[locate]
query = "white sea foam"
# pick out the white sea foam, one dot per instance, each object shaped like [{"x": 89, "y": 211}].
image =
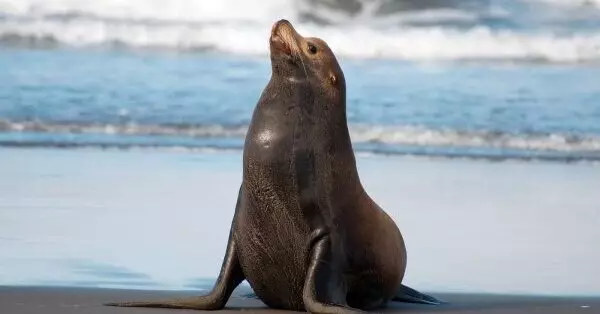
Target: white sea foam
[
  {"x": 156, "y": 10},
  {"x": 197, "y": 25},
  {"x": 573, "y": 3},
  {"x": 365, "y": 134},
  {"x": 428, "y": 137}
]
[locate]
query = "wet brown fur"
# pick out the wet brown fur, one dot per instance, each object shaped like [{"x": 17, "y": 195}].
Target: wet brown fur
[{"x": 305, "y": 234}]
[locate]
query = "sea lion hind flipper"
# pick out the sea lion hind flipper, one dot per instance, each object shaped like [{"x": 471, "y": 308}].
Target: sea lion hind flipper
[
  {"x": 410, "y": 295},
  {"x": 316, "y": 294}
]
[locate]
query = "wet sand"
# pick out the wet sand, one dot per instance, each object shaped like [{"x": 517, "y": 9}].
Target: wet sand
[
  {"x": 88, "y": 218},
  {"x": 51, "y": 300},
  {"x": 72, "y": 218}
]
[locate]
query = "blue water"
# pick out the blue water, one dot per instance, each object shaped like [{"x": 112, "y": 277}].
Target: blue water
[
  {"x": 107, "y": 98},
  {"x": 514, "y": 79}
]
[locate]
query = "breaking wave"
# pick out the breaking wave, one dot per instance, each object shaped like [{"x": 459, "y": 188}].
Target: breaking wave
[
  {"x": 371, "y": 139},
  {"x": 410, "y": 30}
]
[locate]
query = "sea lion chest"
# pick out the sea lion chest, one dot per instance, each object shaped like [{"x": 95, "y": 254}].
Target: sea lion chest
[{"x": 278, "y": 211}]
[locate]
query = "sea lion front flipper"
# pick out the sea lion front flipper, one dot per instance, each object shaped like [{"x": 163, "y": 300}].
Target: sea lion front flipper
[
  {"x": 316, "y": 291},
  {"x": 410, "y": 295},
  {"x": 230, "y": 277}
]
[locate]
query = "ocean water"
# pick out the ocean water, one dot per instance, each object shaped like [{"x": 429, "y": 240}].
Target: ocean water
[
  {"x": 476, "y": 79},
  {"x": 126, "y": 113}
]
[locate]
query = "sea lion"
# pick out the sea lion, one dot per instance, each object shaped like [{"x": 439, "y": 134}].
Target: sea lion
[{"x": 305, "y": 234}]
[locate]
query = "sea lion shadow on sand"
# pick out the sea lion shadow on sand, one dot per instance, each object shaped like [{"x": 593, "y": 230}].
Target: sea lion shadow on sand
[{"x": 305, "y": 234}]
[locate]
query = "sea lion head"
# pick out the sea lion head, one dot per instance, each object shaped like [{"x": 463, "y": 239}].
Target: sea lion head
[{"x": 305, "y": 59}]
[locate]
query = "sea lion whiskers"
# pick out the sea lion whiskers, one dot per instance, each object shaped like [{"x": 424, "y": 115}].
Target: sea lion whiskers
[
  {"x": 298, "y": 51},
  {"x": 303, "y": 66},
  {"x": 289, "y": 36}
]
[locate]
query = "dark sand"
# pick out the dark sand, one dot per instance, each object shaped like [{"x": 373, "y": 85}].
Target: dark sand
[{"x": 26, "y": 300}]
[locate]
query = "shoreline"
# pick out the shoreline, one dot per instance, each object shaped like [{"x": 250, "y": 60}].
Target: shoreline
[
  {"x": 359, "y": 153},
  {"x": 49, "y": 300}
]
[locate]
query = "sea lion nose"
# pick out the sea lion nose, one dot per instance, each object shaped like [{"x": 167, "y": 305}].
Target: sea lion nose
[
  {"x": 278, "y": 24},
  {"x": 283, "y": 21}
]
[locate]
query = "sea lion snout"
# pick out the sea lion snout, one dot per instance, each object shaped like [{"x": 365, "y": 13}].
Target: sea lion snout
[
  {"x": 284, "y": 37},
  {"x": 279, "y": 24}
]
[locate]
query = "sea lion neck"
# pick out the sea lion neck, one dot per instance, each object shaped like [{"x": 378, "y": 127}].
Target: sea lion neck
[
  {"x": 307, "y": 94},
  {"x": 289, "y": 68}
]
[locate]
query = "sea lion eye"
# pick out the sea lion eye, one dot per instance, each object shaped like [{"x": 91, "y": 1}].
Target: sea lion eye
[{"x": 312, "y": 48}]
